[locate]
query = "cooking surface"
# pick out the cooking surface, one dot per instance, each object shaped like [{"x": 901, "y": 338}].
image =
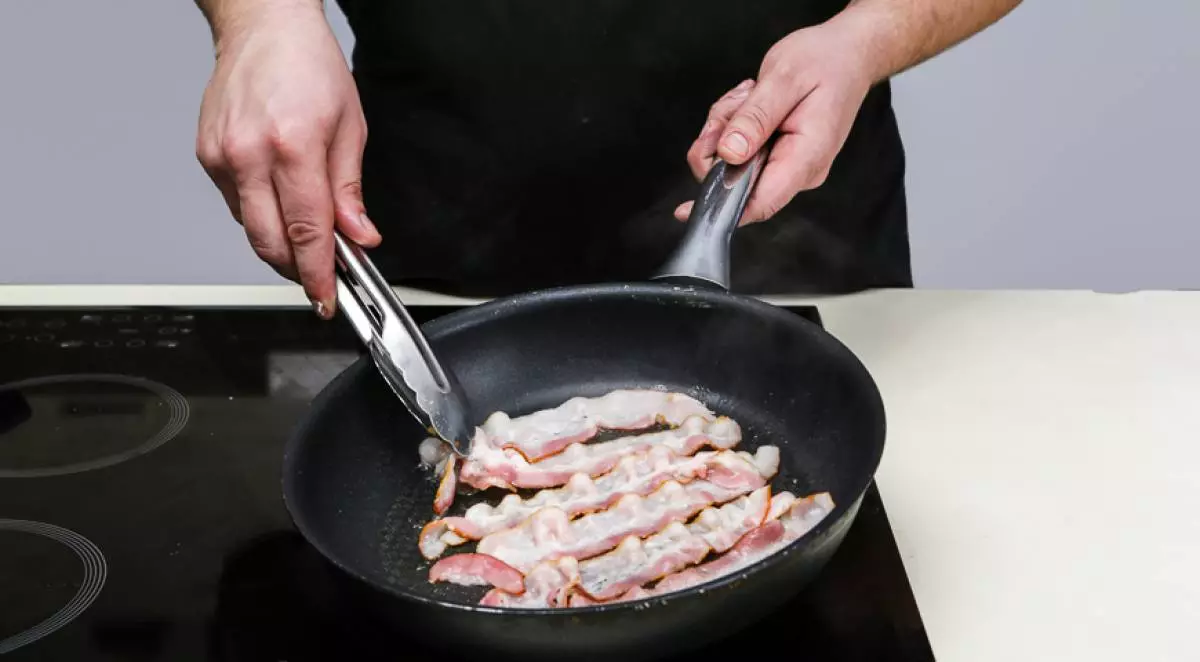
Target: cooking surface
[{"x": 141, "y": 517}]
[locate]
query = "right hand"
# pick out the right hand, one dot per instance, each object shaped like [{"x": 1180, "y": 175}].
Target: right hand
[{"x": 281, "y": 135}]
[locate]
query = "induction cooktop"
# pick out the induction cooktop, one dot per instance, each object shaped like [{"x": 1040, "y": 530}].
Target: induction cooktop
[{"x": 141, "y": 516}]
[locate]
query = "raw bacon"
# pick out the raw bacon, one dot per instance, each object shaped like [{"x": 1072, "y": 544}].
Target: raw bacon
[
  {"x": 549, "y": 431},
  {"x": 446, "y": 487},
  {"x": 640, "y": 474},
  {"x": 550, "y": 532},
  {"x": 636, "y": 562},
  {"x": 488, "y": 465},
  {"x": 547, "y": 585},
  {"x": 478, "y": 570},
  {"x": 800, "y": 517},
  {"x": 440, "y": 533}
]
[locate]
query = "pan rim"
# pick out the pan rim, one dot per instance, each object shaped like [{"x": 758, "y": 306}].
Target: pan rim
[{"x": 469, "y": 316}]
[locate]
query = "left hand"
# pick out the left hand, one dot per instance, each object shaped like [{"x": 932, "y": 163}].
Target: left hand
[{"x": 809, "y": 89}]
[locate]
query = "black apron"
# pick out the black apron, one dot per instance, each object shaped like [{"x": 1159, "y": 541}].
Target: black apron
[{"x": 522, "y": 144}]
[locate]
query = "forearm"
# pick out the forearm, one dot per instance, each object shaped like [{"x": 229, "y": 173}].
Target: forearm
[
  {"x": 229, "y": 16},
  {"x": 899, "y": 34}
]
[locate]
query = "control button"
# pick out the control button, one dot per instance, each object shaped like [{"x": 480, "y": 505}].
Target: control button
[
  {"x": 71, "y": 344},
  {"x": 183, "y": 318},
  {"x": 185, "y": 330},
  {"x": 135, "y": 343},
  {"x": 122, "y": 318},
  {"x": 168, "y": 330},
  {"x": 43, "y": 337},
  {"x": 127, "y": 331},
  {"x": 168, "y": 344},
  {"x": 17, "y": 323},
  {"x": 91, "y": 319},
  {"x": 103, "y": 343},
  {"x": 152, "y": 318},
  {"x": 55, "y": 324},
  {"x": 7, "y": 337}
]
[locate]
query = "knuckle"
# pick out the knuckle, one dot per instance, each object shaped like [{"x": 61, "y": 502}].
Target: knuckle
[
  {"x": 784, "y": 70},
  {"x": 268, "y": 252},
  {"x": 772, "y": 61},
  {"x": 242, "y": 149},
  {"x": 304, "y": 231},
  {"x": 209, "y": 155},
  {"x": 352, "y": 188},
  {"x": 753, "y": 119},
  {"x": 292, "y": 140}
]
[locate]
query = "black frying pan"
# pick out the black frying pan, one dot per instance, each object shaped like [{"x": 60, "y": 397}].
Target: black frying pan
[{"x": 353, "y": 485}]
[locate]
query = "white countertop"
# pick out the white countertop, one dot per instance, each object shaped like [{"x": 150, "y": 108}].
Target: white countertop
[{"x": 1042, "y": 470}]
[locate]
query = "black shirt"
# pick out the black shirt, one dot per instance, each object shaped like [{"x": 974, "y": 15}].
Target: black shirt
[{"x": 519, "y": 144}]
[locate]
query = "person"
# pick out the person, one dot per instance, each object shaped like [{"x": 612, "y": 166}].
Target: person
[{"x": 517, "y": 144}]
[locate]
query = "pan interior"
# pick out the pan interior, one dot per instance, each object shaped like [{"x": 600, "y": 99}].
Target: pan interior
[{"x": 355, "y": 486}]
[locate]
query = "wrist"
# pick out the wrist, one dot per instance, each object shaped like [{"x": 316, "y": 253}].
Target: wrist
[
  {"x": 240, "y": 18},
  {"x": 870, "y": 31}
]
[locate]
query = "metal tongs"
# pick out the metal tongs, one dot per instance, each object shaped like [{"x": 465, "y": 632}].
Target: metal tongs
[{"x": 429, "y": 391}]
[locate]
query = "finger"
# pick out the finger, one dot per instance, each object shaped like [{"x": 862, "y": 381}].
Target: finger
[
  {"x": 345, "y": 180},
  {"x": 799, "y": 160},
  {"x": 684, "y": 211},
  {"x": 306, "y": 203},
  {"x": 758, "y": 117},
  {"x": 208, "y": 153},
  {"x": 260, "y": 217},
  {"x": 228, "y": 188},
  {"x": 703, "y": 151}
]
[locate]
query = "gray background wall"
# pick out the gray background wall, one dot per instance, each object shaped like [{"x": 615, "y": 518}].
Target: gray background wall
[{"x": 1056, "y": 150}]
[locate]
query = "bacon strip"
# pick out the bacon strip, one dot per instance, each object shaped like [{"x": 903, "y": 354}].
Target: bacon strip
[
  {"x": 550, "y": 532},
  {"x": 489, "y": 465},
  {"x": 639, "y": 474},
  {"x": 478, "y": 570},
  {"x": 549, "y": 431},
  {"x": 799, "y": 517},
  {"x": 446, "y": 487},
  {"x": 547, "y": 585},
  {"x": 636, "y": 562}
]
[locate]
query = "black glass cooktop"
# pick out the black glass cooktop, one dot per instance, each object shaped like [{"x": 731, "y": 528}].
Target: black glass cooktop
[{"x": 141, "y": 516}]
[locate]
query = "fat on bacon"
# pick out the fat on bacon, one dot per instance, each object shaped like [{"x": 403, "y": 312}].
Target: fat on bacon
[
  {"x": 640, "y": 473},
  {"x": 551, "y": 533},
  {"x": 549, "y": 431},
  {"x": 490, "y": 465},
  {"x": 548, "y": 585},
  {"x": 478, "y": 570},
  {"x": 796, "y": 519},
  {"x": 634, "y": 562}
]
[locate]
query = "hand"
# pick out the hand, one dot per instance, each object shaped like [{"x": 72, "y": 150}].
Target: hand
[
  {"x": 809, "y": 89},
  {"x": 281, "y": 135}
]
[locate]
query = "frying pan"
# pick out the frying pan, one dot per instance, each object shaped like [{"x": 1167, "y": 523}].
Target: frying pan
[{"x": 355, "y": 489}]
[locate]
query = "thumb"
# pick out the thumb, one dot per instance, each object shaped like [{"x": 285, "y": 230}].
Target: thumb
[
  {"x": 756, "y": 119},
  {"x": 345, "y": 178}
]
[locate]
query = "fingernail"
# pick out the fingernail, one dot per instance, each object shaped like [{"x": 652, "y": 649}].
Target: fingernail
[
  {"x": 736, "y": 143},
  {"x": 323, "y": 311},
  {"x": 745, "y": 85},
  {"x": 683, "y": 211},
  {"x": 366, "y": 224}
]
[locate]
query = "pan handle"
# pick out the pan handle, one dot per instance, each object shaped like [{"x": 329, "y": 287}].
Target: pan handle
[{"x": 702, "y": 258}]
